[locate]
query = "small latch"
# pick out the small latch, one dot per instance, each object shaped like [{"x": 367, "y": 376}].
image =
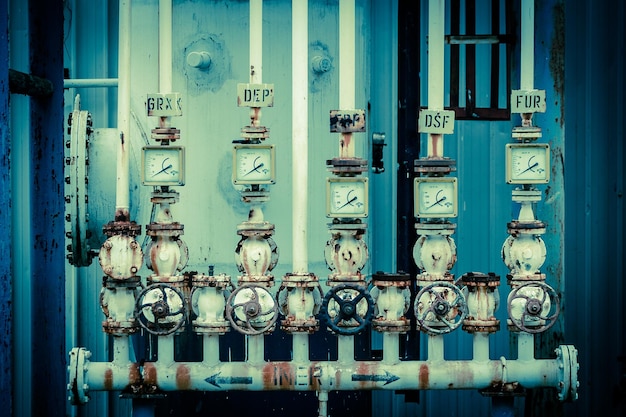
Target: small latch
[{"x": 378, "y": 142}]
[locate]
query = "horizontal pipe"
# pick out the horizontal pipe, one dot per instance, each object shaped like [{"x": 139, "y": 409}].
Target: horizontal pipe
[
  {"x": 317, "y": 376},
  {"x": 28, "y": 84},
  {"x": 90, "y": 82}
]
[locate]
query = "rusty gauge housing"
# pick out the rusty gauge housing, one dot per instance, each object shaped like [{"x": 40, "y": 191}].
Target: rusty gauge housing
[
  {"x": 346, "y": 197},
  {"x": 254, "y": 164},
  {"x": 527, "y": 163},
  {"x": 163, "y": 165}
]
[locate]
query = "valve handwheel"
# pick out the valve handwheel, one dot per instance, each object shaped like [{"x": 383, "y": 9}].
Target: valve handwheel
[
  {"x": 160, "y": 309},
  {"x": 440, "y": 308},
  {"x": 347, "y": 308},
  {"x": 535, "y": 300},
  {"x": 251, "y": 309}
]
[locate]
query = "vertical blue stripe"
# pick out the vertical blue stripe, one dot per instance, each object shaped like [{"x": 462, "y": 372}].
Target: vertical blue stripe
[{"x": 49, "y": 378}]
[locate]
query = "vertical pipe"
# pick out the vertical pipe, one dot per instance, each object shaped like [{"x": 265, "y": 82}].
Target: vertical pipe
[
  {"x": 211, "y": 349},
  {"x": 256, "y": 348},
  {"x": 481, "y": 347},
  {"x": 435, "y": 348},
  {"x": 165, "y": 53},
  {"x": 300, "y": 347},
  {"x": 256, "y": 41},
  {"x": 121, "y": 350},
  {"x": 347, "y": 73},
  {"x": 300, "y": 126},
  {"x": 122, "y": 192},
  {"x": 165, "y": 346},
  {"x": 527, "y": 48},
  {"x": 391, "y": 348},
  {"x": 525, "y": 346},
  {"x": 436, "y": 26},
  {"x": 345, "y": 349}
]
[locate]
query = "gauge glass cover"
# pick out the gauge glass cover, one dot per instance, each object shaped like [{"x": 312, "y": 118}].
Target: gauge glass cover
[
  {"x": 253, "y": 164},
  {"x": 527, "y": 163},
  {"x": 346, "y": 197},
  {"x": 435, "y": 197},
  {"x": 163, "y": 165}
]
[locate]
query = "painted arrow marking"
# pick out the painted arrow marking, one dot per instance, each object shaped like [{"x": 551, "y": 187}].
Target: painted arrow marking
[
  {"x": 388, "y": 378},
  {"x": 216, "y": 380}
]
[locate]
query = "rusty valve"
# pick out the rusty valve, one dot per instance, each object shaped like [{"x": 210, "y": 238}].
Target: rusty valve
[
  {"x": 160, "y": 309},
  {"x": 251, "y": 310},
  {"x": 440, "y": 308},
  {"x": 533, "y": 307},
  {"x": 347, "y": 309}
]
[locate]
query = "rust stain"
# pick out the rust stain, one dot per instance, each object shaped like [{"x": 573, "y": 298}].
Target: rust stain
[
  {"x": 183, "y": 378},
  {"x": 134, "y": 376},
  {"x": 108, "y": 379},
  {"x": 279, "y": 375},
  {"x": 149, "y": 373},
  {"x": 424, "y": 376}
]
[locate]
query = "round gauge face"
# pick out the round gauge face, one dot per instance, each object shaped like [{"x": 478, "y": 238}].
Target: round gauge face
[
  {"x": 253, "y": 164},
  {"x": 435, "y": 197},
  {"x": 347, "y": 197},
  {"x": 528, "y": 163},
  {"x": 163, "y": 165}
]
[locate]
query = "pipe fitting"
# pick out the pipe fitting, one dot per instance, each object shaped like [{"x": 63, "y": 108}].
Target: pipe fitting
[{"x": 200, "y": 60}]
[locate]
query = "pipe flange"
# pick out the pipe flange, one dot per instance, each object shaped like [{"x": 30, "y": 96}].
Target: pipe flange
[
  {"x": 291, "y": 325},
  {"x": 339, "y": 279},
  {"x": 169, "y": 134},
  {"x": 384, "y": 279},
  {"x": 300, "y": 279},
  {"x": 391, "y": 326},
  {"x": 219, "y": 281},
  {"x": 518, "y": 279},
  {"x": 481, "y": 326},
  {"x": 353, "y": 225},
  {"x": 567, "y": 359},
  {"x": 262, "y": 229},
  {"x": 176, "y": 281},
  {"x": 255, "y": 196},
  {"x": 132, "y": 282},
  {"x": 425, "y": 278},
  {"x": 433, "y": 229},
  {"x": 164, "y": 197},
  {"x": 346, "y": 166},
  {"x": 526, "y": 133},
  {"x": 120, "y": 328},
  {"x": 478, "y": 279},
  {"x": 79, "y": 390},
  {"x": 165, "y": 229},
  {"x": 437, "y": 166},
  {"x": 266, "y": 281},
  {"x": 131, "y": 229},
  {"x": 255, "y": 132},
  {"x": 219, "y": 327}
]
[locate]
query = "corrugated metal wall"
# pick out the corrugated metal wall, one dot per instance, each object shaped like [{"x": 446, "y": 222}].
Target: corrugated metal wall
[{"x": 579, "y": 61}]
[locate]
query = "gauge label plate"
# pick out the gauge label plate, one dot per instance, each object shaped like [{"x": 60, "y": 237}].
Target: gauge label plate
[
  {"x": 255, "y": 95},
  {"x": 164, "y": 105},
  {"x": 528, "y": 101},
  {"x": 436, "y": 121},
  {"x": 347, "y": 121}
]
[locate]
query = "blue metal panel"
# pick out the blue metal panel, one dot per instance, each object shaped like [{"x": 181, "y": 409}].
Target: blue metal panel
[
  {"x": 594, "y": 247},
  {"x": 6, "y": 350},
  {"x": 47, "y": 221}
]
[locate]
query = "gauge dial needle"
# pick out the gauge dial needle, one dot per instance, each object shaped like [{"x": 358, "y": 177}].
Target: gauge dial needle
[
  {"x": 256, "y": 168},
  {"x": 164, "y": 169},
  {"x": 436, "y": 202},
  {"x": 349, "y": 202},
  {"x": 530, "y": 168}
]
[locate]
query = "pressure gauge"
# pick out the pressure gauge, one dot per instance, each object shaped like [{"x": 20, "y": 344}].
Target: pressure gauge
[
  {"x": 346, "y": 197},
  {"x": 253, "y": 164},
  {"x": 527, "y": 163},
  {"x": 435, "y": 197},
  {"x": 163, "y": 165}
]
